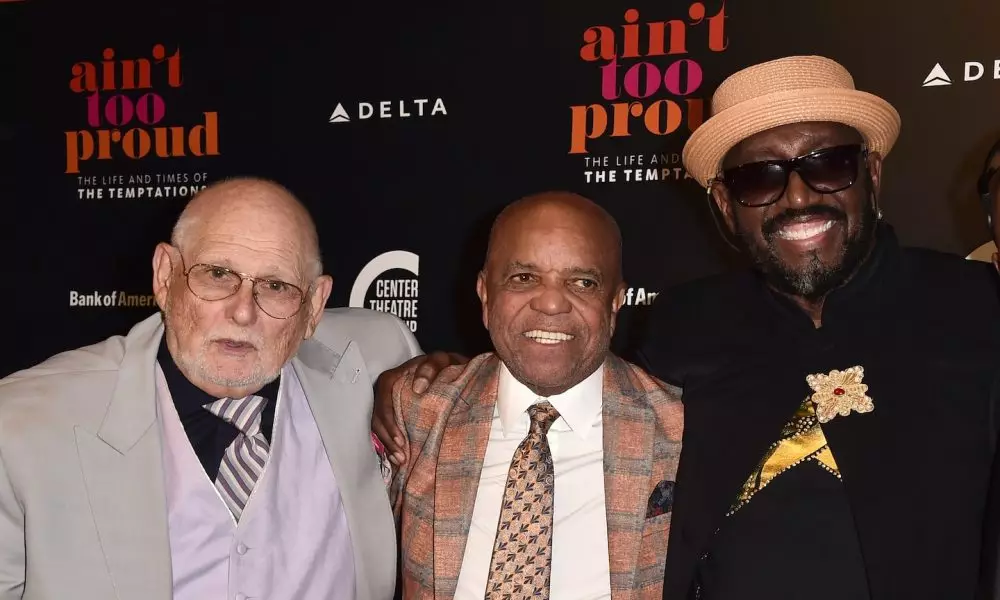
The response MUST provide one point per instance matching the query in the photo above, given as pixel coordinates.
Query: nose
(242, 307)
(551, 300)
(798, 194)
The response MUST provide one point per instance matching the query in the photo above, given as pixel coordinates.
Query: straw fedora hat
(795, 89)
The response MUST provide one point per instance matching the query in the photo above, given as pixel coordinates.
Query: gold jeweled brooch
(839, 392)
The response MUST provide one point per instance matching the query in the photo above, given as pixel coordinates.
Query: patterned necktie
(244, 459)
(522, 553)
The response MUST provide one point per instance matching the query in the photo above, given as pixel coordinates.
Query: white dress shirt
(580, 568)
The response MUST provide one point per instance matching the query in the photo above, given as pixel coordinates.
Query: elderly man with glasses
(222, 448)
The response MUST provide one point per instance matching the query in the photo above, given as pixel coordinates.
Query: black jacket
(926, 328)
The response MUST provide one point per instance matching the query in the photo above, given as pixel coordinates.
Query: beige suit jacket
(82, 505)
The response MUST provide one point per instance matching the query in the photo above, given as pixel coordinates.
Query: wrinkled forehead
(555, 240)
(790, 141)
(256, 242)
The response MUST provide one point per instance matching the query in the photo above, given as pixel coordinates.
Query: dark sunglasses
(826, 171)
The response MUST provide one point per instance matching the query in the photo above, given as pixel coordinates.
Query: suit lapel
(629, 434)
(338, 390)
(460, 465)
(331, 383)
(129, 507)
(728, 431)
(123, 472)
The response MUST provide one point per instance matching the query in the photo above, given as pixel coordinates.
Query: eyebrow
(522, 266)
(270, 271)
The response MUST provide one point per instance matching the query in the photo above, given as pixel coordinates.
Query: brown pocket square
(661, 500)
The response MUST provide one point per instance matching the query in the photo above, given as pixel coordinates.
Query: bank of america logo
(339, 115)
(937, 77)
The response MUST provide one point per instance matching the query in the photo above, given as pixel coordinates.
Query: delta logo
(126, 113)
(638, 63)
(390, 109)
(971, 71)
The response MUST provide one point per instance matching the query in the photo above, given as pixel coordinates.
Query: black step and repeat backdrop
(405, 126)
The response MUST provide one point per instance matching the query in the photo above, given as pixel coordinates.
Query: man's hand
(426, 367)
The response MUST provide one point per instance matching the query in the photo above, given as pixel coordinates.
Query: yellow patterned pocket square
(839, 392)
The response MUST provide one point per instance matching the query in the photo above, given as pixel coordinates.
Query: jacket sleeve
(12, 549)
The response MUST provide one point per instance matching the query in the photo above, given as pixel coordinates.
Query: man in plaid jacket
(492, 504)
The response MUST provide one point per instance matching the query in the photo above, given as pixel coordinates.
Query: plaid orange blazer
(447, 429)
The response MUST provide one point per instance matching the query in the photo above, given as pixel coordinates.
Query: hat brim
(875, 118)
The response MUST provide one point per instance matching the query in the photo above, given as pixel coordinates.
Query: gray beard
(816, 279)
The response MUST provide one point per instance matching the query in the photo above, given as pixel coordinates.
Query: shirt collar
(881, 271)
(580, 406)
(187, 397)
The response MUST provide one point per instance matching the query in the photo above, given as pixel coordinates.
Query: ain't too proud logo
(639, 63)
(127, 114)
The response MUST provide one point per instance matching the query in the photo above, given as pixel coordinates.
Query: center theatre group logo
(125, 113)
(638, 64)
(395, 293)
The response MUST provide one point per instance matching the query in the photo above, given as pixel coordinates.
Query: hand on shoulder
(420, 371)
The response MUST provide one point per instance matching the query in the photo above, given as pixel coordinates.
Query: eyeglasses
(278, 299)
(826, 171)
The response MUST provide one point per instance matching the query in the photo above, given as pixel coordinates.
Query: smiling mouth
(797, 232)
(547, 337)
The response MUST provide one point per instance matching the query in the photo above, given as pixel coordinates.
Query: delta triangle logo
(339, 115)
(937, 77)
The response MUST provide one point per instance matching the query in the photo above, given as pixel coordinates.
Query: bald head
(551, 289)
(240, 286)
(568, 208)
(244, 200)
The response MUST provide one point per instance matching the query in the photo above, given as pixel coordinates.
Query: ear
(321, 289)
(164, 258)
(616, 303)
(718, 193)
(483, 297)
(875, 171)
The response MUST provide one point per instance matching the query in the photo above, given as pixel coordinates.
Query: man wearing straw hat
(841, 397)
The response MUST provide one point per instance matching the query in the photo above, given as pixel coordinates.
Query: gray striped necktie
(244, 459)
